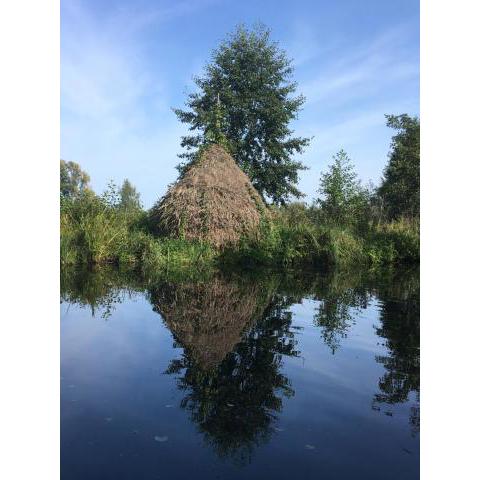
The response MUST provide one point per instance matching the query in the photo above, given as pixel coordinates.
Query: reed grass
(95, 231)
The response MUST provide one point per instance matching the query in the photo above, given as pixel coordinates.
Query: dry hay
(214, 201)
(209, 318)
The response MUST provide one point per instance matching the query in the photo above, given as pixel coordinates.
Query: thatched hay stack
(214, 201)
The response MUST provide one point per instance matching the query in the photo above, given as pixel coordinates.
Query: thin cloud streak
(367, 69)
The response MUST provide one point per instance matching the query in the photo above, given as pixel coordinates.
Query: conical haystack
(214, 201)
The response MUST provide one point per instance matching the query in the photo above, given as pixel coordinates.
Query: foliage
(400, 188)
(98, 229)
(214, 126)
(129, 197)
(396, 241)
(93, 229)
(343, 200)
(73, 180)
(294, 237)
(173, 254)
(250, 77)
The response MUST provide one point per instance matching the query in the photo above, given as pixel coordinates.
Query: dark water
(238, 376)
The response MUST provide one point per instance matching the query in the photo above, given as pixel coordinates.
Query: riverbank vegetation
(245, 104)
(348, 224)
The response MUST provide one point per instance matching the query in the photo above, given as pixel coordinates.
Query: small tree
(400, 187)
(129, 197)
(342, 198)
(248, 86)
(73, 180)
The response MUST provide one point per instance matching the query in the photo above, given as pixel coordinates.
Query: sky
(126, 63)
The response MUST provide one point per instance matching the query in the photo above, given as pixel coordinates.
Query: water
(238, 376)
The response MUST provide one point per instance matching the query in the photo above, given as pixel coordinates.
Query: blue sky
(124, 64)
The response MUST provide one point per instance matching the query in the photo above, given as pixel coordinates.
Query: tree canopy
(129, 197)
(249, 76)
(341, 193)
(73, 180)
(400, 187)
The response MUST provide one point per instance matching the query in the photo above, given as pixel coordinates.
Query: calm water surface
(238, 376)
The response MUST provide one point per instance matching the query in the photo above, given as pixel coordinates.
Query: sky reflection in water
(239, 376)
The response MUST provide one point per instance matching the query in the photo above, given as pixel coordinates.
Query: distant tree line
(344, 200)
(74, 183)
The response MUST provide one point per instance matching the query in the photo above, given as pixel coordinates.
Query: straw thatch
(213, 201)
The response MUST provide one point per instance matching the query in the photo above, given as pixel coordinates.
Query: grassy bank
(303, 242)
(96, 230)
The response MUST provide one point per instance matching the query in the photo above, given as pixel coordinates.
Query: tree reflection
(341, 298)
(340, 302)
(233, 384)
(400, 326)
(101, 289)
(235, 332)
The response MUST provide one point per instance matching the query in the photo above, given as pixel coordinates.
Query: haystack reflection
(234, 336)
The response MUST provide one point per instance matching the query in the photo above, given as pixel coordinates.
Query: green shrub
(97, 230)
(92, 230)
(343, 248)
(167, 253)
(279, 243)
(398, 241)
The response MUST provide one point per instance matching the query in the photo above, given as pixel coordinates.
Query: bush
(97, 230)
(343, 248)
(398, 241)
(167, 253)
(277, 244)
(92, 231)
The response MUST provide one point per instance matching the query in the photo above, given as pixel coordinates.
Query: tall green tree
(250, 77)
(342, 198)
(400, 187)
(73, 180)
(129, 197)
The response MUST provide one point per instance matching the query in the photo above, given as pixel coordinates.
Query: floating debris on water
(278, 429)
(108, 419)
(310, 447)
(168, 406)
(160, 439)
